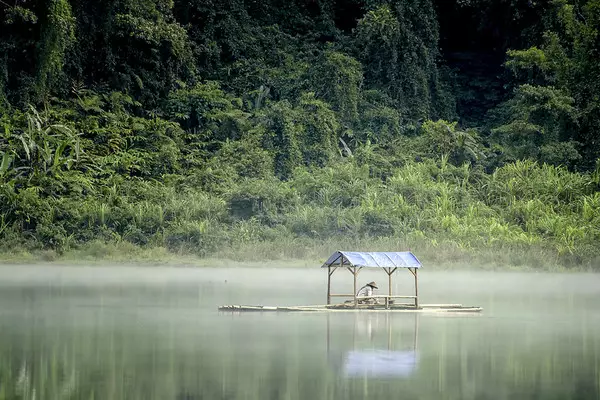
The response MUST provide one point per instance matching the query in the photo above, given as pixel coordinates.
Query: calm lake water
(155, 333)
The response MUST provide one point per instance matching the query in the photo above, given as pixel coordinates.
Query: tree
(398, 46)
(338, 79)
(561, 82)
(446, 141)
(538, 119)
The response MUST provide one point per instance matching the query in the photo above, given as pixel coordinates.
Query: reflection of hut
(355, 261)
(373, 351)
(380, 363)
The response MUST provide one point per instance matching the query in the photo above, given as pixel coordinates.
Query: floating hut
(354, 262)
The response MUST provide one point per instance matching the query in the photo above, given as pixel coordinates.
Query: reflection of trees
(34, 380)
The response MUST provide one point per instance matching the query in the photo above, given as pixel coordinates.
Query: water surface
(155, 333)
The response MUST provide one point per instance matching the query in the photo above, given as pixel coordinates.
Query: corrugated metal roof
(402, 259)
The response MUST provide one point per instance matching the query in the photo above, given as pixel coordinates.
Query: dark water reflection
(128, 333)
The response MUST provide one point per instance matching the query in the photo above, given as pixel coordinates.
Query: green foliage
(202, 126)
(446, 141)
(338, 80)
(285, 131)
(263, 199)
(537, 119)
(306, 134)
(380, 121)
(246, 157)
(151, 50)
(57, 36)
(526, 180)
(563, 78)
(207, 111)
(321, 130)
(398, 47)
(36, 148)
(532, 61)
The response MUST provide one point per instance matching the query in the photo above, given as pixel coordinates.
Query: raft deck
(422, 308)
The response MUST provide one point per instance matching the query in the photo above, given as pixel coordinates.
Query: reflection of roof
(380, 363)
(404, 259)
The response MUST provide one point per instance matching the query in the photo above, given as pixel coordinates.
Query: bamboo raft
(406, 308)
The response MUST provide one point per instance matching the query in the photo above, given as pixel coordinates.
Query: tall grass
(520, 213)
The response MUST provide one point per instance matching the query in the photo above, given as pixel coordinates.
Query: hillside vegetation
(466, 130)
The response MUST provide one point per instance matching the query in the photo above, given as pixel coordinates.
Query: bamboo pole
(370, 307)
(375, 296)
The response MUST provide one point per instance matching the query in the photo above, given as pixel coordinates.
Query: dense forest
(464, 129)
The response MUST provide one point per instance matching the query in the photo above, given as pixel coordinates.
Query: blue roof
(402, 259)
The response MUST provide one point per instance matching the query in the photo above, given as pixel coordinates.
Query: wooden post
(387, 302)
(416, 290)
(389, 271)
(387, 299)
(355, 299)
(328, 284)
(329, 273)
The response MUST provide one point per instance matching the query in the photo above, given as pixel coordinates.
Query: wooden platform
(423, 308)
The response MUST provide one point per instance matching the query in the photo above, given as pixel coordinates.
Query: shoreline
(252, 256)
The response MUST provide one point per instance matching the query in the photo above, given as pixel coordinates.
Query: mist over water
(155, 333)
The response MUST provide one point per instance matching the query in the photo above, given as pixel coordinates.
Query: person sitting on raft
(367, 291)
